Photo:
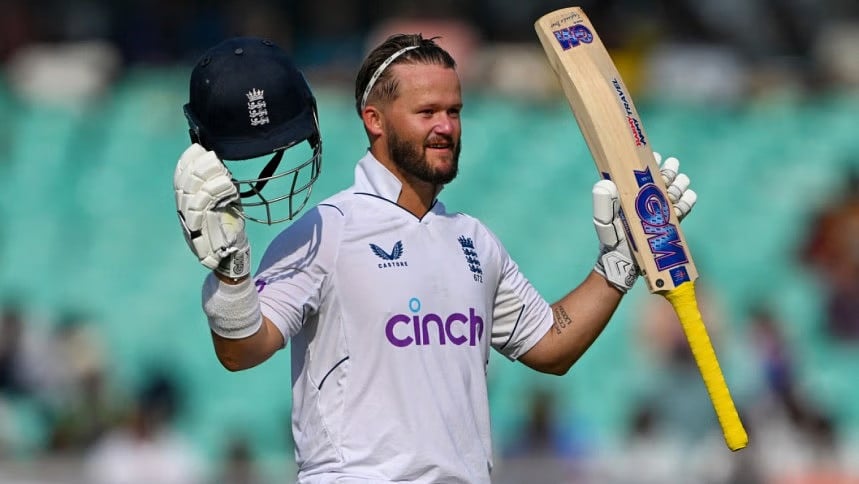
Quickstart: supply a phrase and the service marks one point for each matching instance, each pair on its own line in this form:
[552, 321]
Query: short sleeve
[291, 275]
[521, 316]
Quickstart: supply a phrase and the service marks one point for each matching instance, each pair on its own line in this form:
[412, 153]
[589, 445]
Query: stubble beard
[412, 160]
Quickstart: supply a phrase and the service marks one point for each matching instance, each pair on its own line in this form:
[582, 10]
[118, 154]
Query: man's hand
[677, 184]
[210, 213]
[615, 261]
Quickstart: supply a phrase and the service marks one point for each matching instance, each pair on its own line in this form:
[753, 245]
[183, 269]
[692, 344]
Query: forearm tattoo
[562, 319]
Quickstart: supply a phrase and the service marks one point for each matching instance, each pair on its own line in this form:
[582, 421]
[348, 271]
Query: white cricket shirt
[391, 319]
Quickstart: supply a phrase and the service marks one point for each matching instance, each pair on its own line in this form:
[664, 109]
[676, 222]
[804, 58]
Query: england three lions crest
[257, 111]
[471, 258]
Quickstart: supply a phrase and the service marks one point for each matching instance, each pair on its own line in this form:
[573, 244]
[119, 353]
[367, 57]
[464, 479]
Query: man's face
[422, 124]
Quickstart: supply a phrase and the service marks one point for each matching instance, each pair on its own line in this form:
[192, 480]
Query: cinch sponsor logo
[654, 211]
[433, 329]
[570, 37]
[634, 124]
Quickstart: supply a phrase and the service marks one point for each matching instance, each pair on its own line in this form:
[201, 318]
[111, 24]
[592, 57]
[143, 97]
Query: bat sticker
[570, 37]
[634, 123]
[654, 211]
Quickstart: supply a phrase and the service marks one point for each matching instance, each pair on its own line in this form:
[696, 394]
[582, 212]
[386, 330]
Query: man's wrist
[230, 280]
[233, 310]
[618, 269]
[236, 267]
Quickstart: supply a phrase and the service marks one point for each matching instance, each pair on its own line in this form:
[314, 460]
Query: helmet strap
[264, 175]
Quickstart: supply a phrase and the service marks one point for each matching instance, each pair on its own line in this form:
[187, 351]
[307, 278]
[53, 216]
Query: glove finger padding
[190, 154]
[668, 169]
[210, 213]
[676, 189]
[683, 206]
[615, 262]
[677, 185]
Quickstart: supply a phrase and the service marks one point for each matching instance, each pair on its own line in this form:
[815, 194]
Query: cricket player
[391, 303]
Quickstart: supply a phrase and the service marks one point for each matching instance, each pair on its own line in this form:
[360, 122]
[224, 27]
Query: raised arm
[243, 353]
[207, 205]
[581, 315]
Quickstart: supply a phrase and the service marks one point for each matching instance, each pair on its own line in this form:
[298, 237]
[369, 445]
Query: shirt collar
[371, 176]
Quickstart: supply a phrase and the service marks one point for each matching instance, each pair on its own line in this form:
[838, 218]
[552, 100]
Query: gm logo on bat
[654, 211]
[570, 37]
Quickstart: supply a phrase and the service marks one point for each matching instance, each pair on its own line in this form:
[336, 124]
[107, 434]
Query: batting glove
[615, 262]
[677, 184]
[210, 213]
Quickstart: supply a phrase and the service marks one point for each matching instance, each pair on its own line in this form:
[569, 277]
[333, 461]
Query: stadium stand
[89, 220]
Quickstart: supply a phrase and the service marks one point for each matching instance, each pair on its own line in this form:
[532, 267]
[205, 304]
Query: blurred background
[107, 374]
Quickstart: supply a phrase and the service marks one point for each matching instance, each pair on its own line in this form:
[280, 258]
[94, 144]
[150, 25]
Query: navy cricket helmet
[248, 100]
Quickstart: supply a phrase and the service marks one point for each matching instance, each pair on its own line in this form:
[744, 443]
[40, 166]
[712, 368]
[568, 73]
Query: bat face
[654, 212]
[616, 138]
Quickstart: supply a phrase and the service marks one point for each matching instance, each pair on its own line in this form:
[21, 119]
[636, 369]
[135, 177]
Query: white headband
[380, 70]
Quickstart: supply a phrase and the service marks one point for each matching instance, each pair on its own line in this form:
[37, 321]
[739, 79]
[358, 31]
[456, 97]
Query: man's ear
[373, 120]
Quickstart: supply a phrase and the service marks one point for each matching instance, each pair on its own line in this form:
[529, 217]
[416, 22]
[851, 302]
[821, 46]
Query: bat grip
[682, 298]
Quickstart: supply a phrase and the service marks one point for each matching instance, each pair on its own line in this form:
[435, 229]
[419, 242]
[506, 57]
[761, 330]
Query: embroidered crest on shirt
[391, 259]
[471, 257]
[257, 111]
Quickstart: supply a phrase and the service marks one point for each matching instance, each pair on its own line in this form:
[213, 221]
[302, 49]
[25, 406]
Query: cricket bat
[621, 149]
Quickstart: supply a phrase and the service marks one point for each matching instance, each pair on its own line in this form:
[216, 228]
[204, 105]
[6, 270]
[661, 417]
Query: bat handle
[682, 298]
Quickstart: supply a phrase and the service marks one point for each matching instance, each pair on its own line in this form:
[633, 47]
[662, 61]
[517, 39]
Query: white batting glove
[615, 261]
[210, 213]
[677, 184]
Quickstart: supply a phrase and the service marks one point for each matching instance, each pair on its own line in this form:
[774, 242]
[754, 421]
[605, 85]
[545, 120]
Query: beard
[412, 160]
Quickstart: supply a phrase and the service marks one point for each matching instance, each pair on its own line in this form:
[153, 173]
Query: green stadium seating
[89, 220]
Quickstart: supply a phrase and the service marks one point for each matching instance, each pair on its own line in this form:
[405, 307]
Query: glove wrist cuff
[237, 264]
[233, 310]
[618, 269]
